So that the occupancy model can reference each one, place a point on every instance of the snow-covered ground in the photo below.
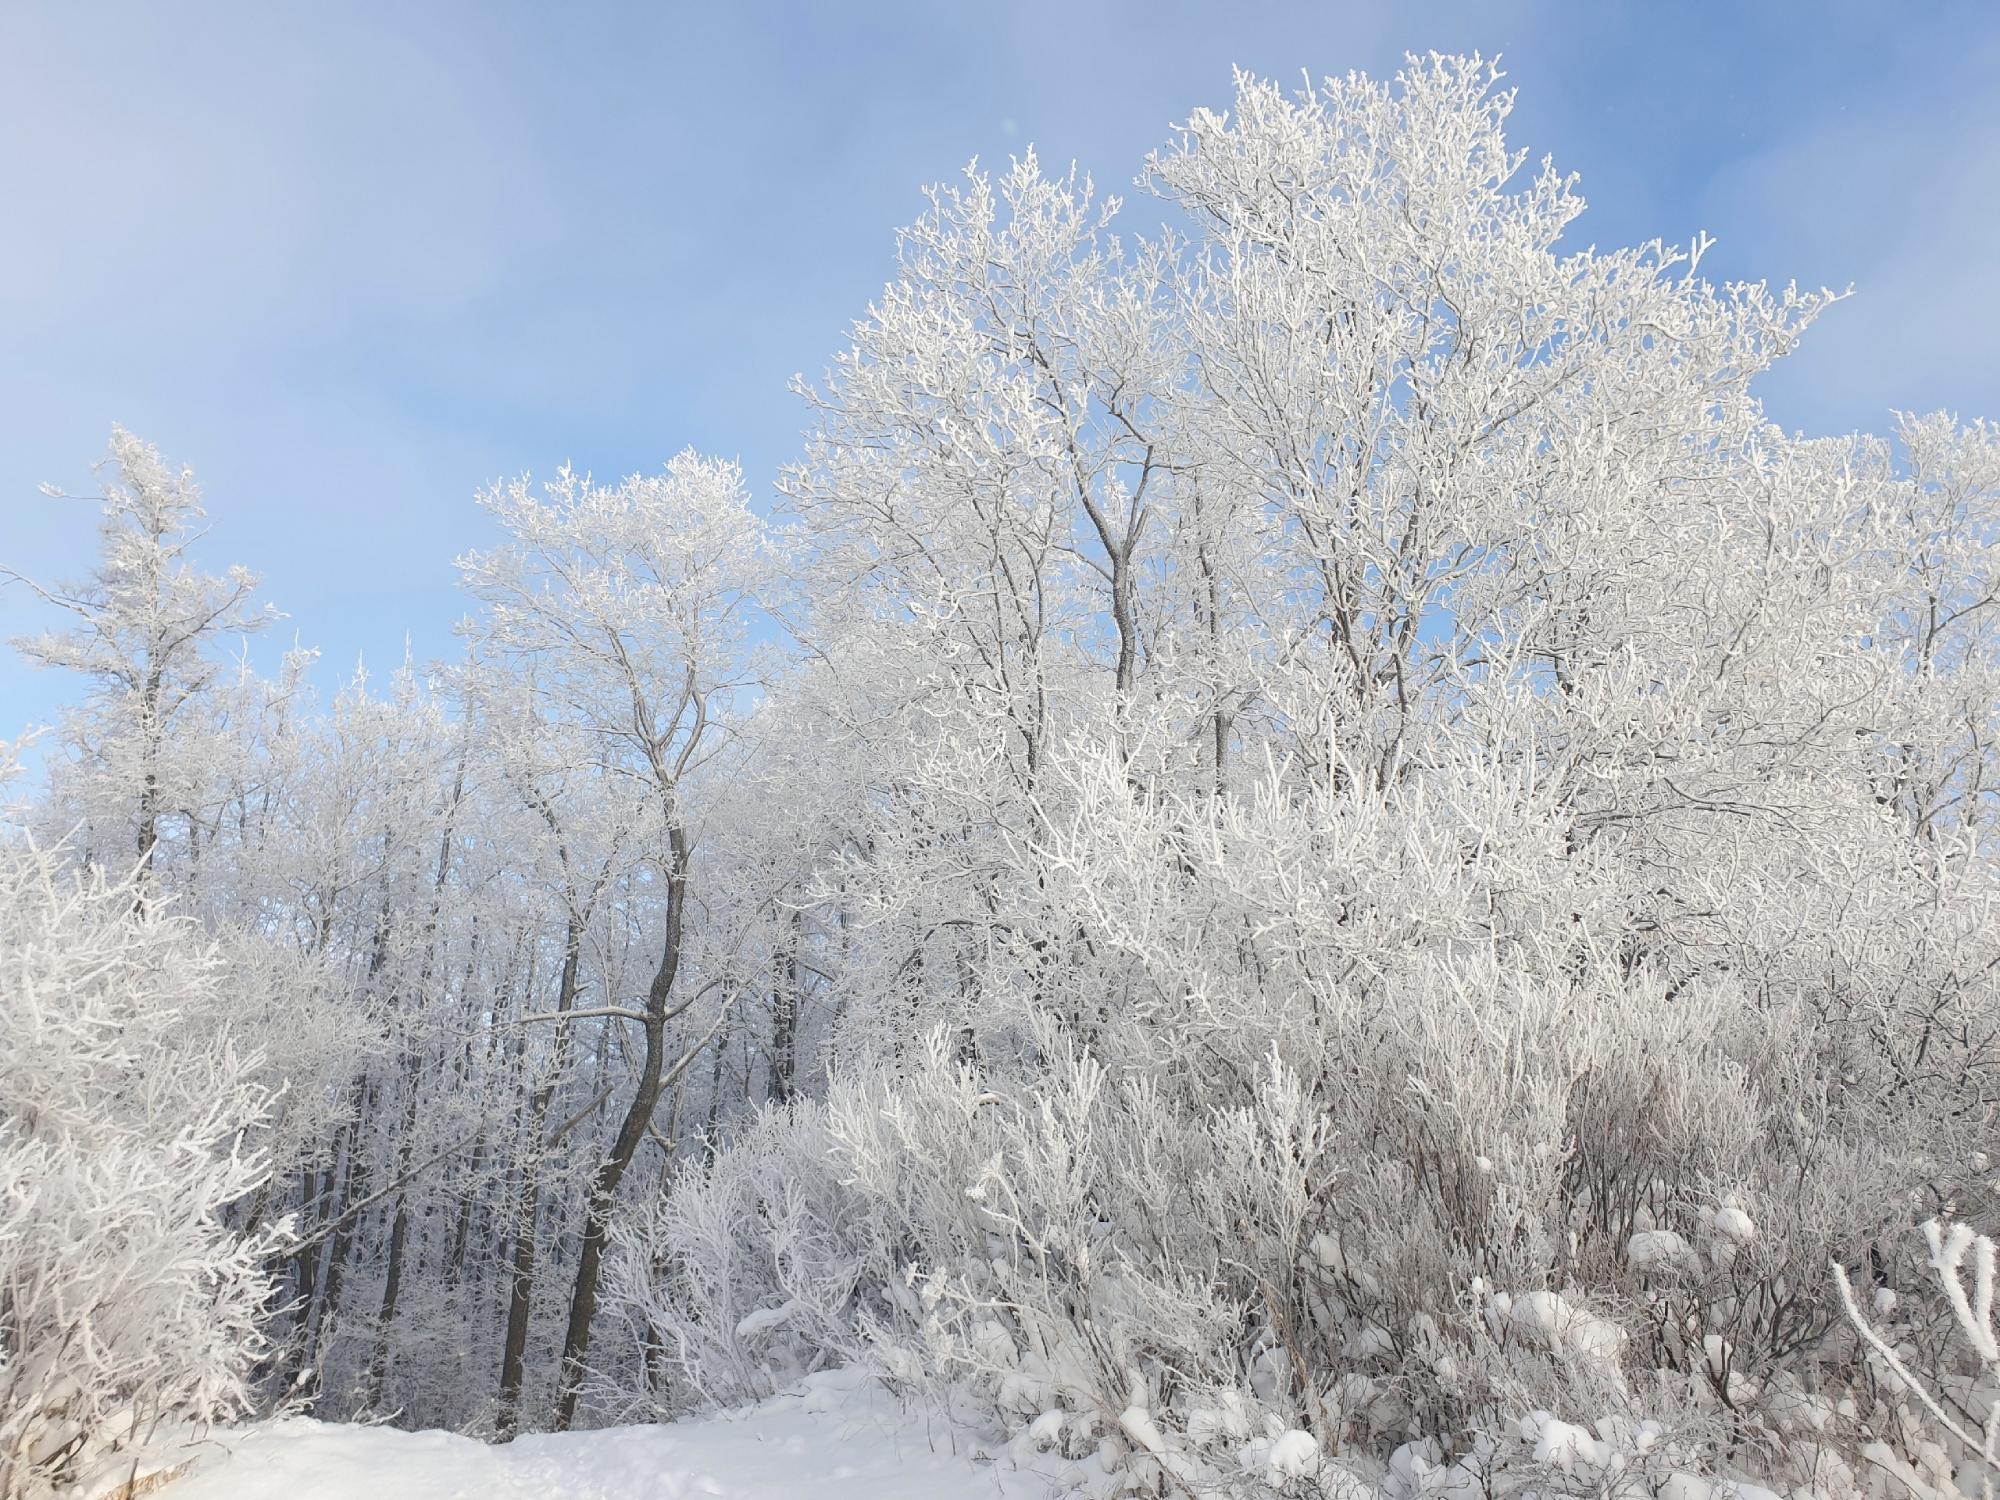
(835, 1438)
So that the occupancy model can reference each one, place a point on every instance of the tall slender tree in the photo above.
(627, 605)
(147, 620)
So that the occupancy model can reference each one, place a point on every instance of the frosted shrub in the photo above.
(1942, 1433)
(745, 1275)
(124, 1301)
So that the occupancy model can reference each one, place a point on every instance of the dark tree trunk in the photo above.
(454, 1270)
(785, 1021)
(149, 788)
(399, 1238)
(528, 1206)
(328, 1299)
(399, 1233)
(631, 1131)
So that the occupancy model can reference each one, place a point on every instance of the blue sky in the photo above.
(353, 262)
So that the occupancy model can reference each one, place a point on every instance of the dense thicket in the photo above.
(1305, 849)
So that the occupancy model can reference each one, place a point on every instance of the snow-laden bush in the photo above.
(1489, 1188)
(124, 1301)
(1943, 1435)
(747, 1274)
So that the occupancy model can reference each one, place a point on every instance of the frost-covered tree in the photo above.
(626, 606)
(127, 1300)
(147, 622)
(1384, 775)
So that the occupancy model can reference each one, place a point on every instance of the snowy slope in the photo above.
(835, 1439)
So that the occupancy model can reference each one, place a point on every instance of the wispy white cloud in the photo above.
(353, 262)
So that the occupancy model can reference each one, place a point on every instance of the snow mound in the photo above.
(1661, 1250)
(1550, 1321)
(1733, 1224)
(836, 1437)
(1294, 1455)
